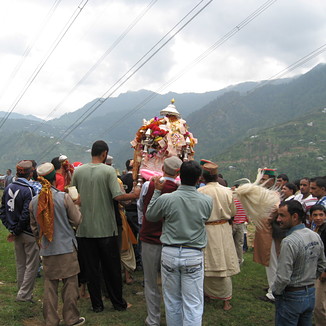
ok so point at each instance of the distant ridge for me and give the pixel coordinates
(233, 116)
(221, 120)
(14, 115)
(297, 148)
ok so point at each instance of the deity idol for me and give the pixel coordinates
(158, 139)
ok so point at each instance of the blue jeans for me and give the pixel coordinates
(182, 284)
(295, 308)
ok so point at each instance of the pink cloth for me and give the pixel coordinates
(148, 174)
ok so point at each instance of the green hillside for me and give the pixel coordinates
(218, 119)
(234, 116)
(297, 148)
(19, 145)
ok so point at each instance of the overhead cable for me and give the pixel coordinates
(201, 57)
(104, 55)
(30, 46)
(124, 79)
(292, 67)
(280, 74)
(70, 22)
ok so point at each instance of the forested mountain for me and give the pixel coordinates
(118, 119)
(297, 148)
(145, 104)
(219, 120)
(233, 116)
(17, 142)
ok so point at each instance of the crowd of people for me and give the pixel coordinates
(90, 228)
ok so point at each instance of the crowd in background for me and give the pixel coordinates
(91, 229)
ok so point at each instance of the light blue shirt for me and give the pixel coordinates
(184, 212)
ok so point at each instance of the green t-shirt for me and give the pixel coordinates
(97, 185)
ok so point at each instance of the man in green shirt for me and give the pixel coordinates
(97, 185)
(184, 213)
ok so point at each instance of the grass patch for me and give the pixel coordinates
(247, 309)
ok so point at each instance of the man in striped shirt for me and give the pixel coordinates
(305, 198)
(238, 228)
(318, 190)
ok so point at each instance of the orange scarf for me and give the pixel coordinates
(45, 210)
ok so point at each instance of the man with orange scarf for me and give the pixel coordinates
(53, 216)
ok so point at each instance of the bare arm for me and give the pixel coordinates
(73, 212)
(134, 194)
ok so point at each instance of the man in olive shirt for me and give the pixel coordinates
(183, 237)
(97, 185)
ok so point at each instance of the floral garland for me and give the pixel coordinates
(159, 128)
(158, 139)
(156, 132)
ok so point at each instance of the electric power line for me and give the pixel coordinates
(124, 79)
(197, 60)
(101, 59)
(280, 74)
(293, 66)
(80, 119)
(30, 46)
(41, 65)
(252, 16)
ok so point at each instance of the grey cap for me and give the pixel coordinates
(172, 165)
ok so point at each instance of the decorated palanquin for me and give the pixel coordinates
(158, 139)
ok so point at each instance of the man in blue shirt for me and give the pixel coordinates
(14, 214)
(184, 213)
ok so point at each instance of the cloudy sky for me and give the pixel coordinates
(47, 69)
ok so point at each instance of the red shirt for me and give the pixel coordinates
(60, 182)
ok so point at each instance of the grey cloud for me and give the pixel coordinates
(281, 35)
(281, 31)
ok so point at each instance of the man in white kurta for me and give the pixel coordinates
(220, 256)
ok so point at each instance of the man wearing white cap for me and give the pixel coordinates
(53, 216)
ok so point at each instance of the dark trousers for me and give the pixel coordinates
(103, 252)
(245, 243)
(132, 218)
(82, 277)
